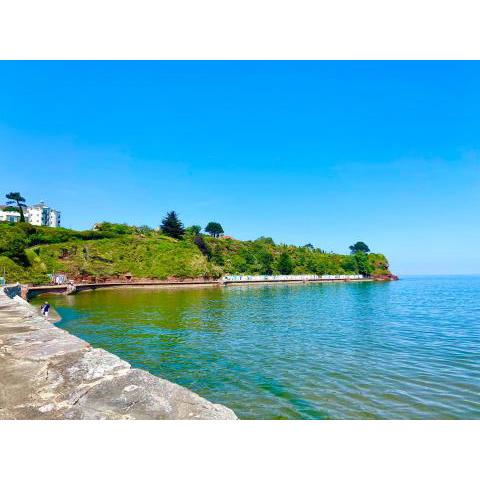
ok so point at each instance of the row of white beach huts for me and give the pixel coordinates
(287, 278)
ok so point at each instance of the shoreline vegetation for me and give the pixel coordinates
(122, 253)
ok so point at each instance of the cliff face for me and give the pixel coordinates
(29, 255)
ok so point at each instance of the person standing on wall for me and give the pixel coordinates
(44, 309)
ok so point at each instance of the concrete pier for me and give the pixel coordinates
(46, 373)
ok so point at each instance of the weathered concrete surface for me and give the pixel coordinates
(46, 373)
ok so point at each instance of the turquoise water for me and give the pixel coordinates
(400, 350)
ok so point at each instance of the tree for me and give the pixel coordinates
(14, 198)
(349, 264)
(266, 261)
(359, 247)
(13, 242)
(214, 229)
(311, 265)
(172, 226)
(193, 230)
(285, 264)
(309, 246)
(363, 265)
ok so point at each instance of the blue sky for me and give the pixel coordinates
(321, 152)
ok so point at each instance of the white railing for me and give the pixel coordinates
(286, 278)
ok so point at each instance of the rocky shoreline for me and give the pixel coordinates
(47, 373)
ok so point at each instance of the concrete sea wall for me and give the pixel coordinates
(46, 373)
(29, 291)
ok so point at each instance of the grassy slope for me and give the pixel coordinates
(143, 257)
(151, 255)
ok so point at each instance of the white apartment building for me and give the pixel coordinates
(41, 214)
(12, 217)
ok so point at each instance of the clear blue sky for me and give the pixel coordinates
(321, 152)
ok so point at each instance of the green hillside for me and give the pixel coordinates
(29, 253)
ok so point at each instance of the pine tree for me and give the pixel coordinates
(14, 198)
(172, 226)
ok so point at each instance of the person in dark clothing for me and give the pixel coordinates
(45, 308)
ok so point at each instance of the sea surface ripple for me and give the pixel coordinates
(397, 350)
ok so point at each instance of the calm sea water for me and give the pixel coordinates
(398, 350)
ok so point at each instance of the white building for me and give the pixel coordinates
(6, 216)
(41, 214)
